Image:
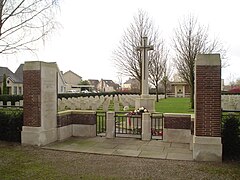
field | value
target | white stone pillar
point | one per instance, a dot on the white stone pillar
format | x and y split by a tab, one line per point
183	90
110	125
175	90
146	126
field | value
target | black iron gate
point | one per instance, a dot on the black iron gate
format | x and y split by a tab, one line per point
157	126
101	123
128	125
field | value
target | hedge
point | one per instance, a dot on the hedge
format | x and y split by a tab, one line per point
231	136
11	122
70	95
13	98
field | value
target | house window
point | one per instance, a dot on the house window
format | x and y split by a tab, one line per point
15	90
20	90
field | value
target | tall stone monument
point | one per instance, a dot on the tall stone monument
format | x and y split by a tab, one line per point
145	100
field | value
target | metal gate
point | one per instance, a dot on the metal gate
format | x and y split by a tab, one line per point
101	123
128	125
157	126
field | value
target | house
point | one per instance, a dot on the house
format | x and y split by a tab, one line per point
107	86
72	80
14	81
62	85
94	82
179	87
131	84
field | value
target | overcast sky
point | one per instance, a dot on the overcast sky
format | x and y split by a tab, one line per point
92	29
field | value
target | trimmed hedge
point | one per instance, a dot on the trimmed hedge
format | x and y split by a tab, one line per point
70	95
12	98
11	122
231	137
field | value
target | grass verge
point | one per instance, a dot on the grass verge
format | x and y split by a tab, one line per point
28	162
174	105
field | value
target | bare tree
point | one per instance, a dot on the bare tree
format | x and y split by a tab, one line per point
190	39
23	22
232	79
120	80
167	72
126	57
157	66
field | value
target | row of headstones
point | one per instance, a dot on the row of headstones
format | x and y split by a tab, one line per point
230	102
128	100
88	103
80	103
94	103
17	104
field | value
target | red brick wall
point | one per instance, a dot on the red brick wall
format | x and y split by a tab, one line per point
32	98
180	122
68	119
208	101
64	120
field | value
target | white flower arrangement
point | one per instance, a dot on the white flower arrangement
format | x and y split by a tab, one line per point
138	111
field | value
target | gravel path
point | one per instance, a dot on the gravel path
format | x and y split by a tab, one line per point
92	166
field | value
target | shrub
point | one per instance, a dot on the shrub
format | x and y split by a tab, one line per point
231	137
70	95
12	98
11	122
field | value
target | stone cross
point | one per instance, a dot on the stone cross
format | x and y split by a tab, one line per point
144	48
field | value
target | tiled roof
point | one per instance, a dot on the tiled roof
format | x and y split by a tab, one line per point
131	81
110	83
72	73
93	82
16	77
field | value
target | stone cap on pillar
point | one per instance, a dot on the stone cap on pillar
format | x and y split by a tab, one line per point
36	65
208	60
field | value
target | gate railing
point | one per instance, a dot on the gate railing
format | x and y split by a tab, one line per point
157	126
101	123
128	124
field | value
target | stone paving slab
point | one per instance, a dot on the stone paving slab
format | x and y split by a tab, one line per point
153	154
125	147
159	143
128	147
180	145
105	145
121	152
96	150
180	156
152	148
177	150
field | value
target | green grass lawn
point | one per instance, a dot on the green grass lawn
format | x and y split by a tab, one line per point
174	105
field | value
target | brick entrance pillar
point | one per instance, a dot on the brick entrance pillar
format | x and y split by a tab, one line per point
207	127
40	103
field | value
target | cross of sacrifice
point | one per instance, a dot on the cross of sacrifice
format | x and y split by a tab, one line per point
144	48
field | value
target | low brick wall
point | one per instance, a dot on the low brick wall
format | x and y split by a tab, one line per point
69	117
177	121
64	119
177	128
76	123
